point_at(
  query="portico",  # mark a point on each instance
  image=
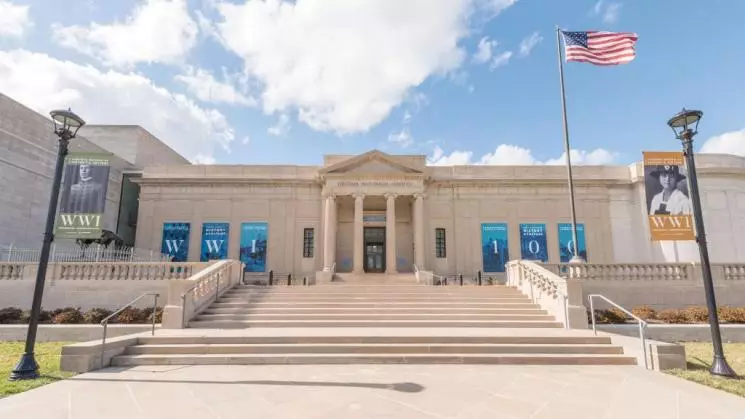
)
(388, 196)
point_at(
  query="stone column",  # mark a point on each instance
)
(359, 232)
(329, 232)
(390, 234)
(334, 225)
(419, 231)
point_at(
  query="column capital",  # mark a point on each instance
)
(390, 195)
(332, 196)
(358, 196)
(419, 195)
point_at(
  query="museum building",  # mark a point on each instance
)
(377, 212)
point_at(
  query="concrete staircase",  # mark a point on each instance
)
(366, 323)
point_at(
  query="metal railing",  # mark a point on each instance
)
(642, 323)
(105, 322)
(93, 253)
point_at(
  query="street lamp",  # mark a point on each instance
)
(66, 126)
(685, 127)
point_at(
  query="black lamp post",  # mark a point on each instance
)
(685, 127)
(66, 126)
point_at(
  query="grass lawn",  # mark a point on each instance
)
(699, 357)
(47, 355)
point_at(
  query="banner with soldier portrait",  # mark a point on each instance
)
(83, 196)
(669, 207)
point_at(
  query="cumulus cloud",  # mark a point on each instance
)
(14, 19)
(608, 11)
(507, 154)
(345, 65)
(159, 31)
(202, 84)
(484, 50)
(44, 83)
(402, 138)
(527, 44)
(727, 143)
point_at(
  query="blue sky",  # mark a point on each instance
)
(287, 82)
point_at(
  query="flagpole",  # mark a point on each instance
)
(567, 150)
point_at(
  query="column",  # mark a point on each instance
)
(390, 234)
(419, 231)
(329, 232)
(359, 231)
(334, 225)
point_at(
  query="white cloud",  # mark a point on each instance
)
(402, 138)
(246, 139)
(484, 50)
(203, 159)
(500, 60)
(345, 65)
(44, 83)
(205, 87)
(157, 31)
(14, 19)
(608, 11)
(727, 143)
(512, 155)
(281, 128)
(527, 44)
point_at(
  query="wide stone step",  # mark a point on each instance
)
(242, 324)
(361, 305)
(315, 359)
(385, 348)
(505, 338)
(364, 298)
(370, 310)
(375, 316)
(314, 291)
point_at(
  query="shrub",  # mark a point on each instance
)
(613, 316)
(130, 315)
(44, 316)
(96, 315)
(147, 313)
(645, 313)
(11, 315)
(673, 316)
(696, 314)
(732, 314)
(68, 315)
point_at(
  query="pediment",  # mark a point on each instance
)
(372, 162)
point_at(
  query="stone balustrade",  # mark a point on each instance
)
(188, 297)
(89, 284)
(658, 285)
(560, 297)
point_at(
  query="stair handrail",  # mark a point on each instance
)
(105, 321)
(642, 324)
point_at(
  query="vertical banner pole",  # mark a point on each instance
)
(567, 150)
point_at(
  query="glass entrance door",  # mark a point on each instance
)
(374, 249)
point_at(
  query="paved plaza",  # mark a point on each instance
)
(373, 391)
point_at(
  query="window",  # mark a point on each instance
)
(308, 243)
(440, 243)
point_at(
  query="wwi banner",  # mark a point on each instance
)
(566, 242)
(254, 239)
(669, 208)
(175, 241)
(495, 251)
(533, 244)
(83, 200)
(214, 241)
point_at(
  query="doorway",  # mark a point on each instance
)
(374, 249)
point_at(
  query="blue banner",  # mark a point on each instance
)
(214, 241)
(495, 252)
(175, 241)
(533, 244)
(254, 239)
(566, 244)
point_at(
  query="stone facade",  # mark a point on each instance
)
(410, 199)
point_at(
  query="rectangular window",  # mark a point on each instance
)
(308, 242)
(440, 243)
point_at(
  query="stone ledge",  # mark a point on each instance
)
(661, 356)
(678, 332)
(86, 356)
(70, 332)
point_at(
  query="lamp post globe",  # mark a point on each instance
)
(685, 126)
(66, 126)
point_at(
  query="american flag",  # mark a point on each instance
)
(600, 48)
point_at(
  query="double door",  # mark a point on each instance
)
(374, 249)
